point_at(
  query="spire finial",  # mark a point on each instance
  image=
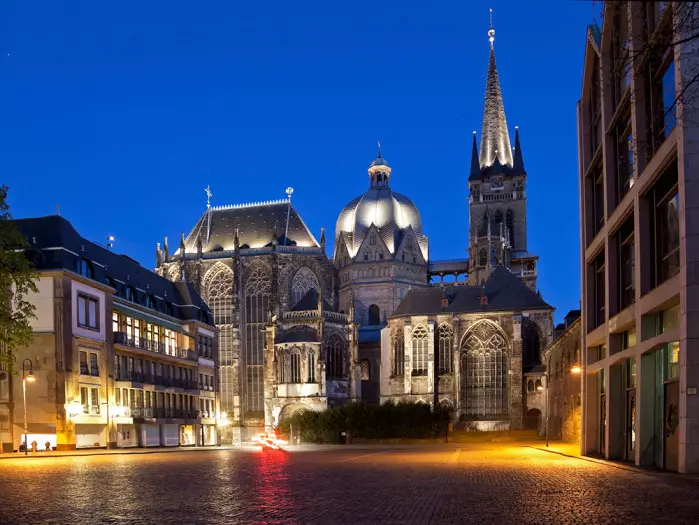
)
(379, 143)
(491, 31)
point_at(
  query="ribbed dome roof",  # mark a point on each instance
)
(389, 211)
(378, 161)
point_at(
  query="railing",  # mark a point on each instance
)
(154, 346)
(138, 377)
(92, 410)
(528, 273)
(170, 413)
(497, 197)
(313, 314)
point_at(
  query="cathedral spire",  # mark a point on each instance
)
(519, 161)
(475, 165)
(495, 141)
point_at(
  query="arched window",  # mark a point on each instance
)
(374, 314)
(531, 350)
(364, 369)
(445, 340)
(530, 386)
(257, 292)
(335, 361)
(295, 366)
(484, 366)
(510, 223)
(498, 217)
(482, 257)
(304, 281)
(420, 351)
(281, 365)
(398, 352)
(85, 268)
(311, 367)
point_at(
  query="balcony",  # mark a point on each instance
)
(162, 413)
(138, 377)
(142, 343)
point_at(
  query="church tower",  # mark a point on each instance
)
(497, 198)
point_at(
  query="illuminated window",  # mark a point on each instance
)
(398, 352)
(419, 351)
(257, 295)
(295, 366)
(484, 366)
(446, 337)
(364, 369)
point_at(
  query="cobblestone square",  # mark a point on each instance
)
(498, 484)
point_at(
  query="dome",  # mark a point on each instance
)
(378, 161)
(390, 212)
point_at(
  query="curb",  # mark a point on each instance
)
(116, 453)
(591, 460)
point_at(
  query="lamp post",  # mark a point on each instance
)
(540, 387)
(26, 377)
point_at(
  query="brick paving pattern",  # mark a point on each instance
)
(496, 484)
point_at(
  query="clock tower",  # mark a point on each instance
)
(497, 196)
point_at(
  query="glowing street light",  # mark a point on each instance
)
(576, 369)
(31, 378)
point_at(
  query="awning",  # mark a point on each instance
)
(138, 314)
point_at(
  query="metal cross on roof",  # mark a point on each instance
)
(208, 196)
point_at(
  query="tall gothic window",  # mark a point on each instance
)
(482, 257)
(304, 281)
(295, 366)
(420, 351)
(484, 368)
(510, 223)
(257, 292)
(281, 364)
(334, 355)
(398, 352)
(364, 370)
(311, 366)
(218, 287)
(446, 337)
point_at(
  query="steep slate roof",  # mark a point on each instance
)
(256, 224)
(504, 290)
(46, 234)
(310, 302)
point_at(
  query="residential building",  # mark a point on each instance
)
(637, 137)
(118, 351)
(562, 383)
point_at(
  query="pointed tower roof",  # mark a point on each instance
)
(518, 161)
(475, 164)
(495, 141)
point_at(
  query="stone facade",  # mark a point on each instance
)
(276, 309)
(563, 384)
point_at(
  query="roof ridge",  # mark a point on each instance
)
(249, 205)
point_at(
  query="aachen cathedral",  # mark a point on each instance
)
(375, 322)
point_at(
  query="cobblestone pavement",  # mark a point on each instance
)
(435, 484)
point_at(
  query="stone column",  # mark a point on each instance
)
(616, 398)
(515, 372)
(432, 384)
(408, 352)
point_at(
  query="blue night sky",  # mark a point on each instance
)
(123, 113)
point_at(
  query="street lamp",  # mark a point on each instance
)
(31, 378)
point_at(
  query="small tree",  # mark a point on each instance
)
(17, 279)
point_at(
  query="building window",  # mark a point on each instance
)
(257, 298)
(419, 340)
(446, 338)
(90, 400)
(530, 386)
(625, 240)
(374, 315)
(84, 368)
(88, 308)
(673, 369)
(665, 233)
(660, 94)
(150, 301)
(115, 322)
(482, 257)
(398, 352)
(372, 240)
(624, 155)
(131, 294)
(484, 371)
(599, 290)
(364, 370)
(85, 269)
(295, 366)
(621, 63)
(594, 110)
(598, 200)
(334, 351)
(94, 367)
(311, 366)
(304, 283)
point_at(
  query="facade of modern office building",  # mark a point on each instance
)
(639, 198)
(121, 356)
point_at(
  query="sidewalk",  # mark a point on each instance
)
(572, 450)
(119, 451)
